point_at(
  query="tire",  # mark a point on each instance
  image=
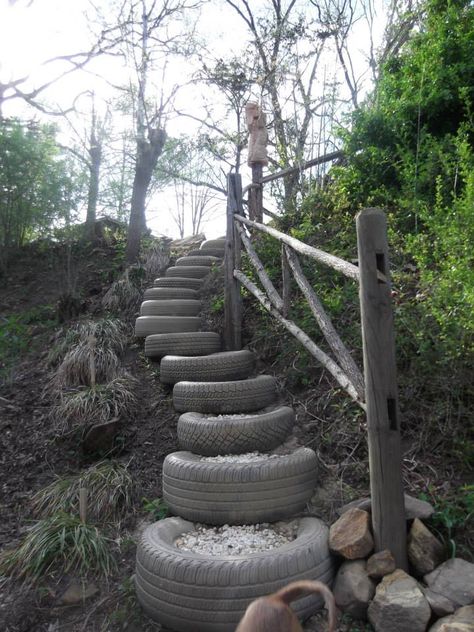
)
(191, 272)
(208, 252)
(211, 436)
(178, 282)
(199, 593)
(225, 397)
(213, 243)
(149, 325)
(229, 365)
(238, 493)
(163, 293)
(188, 592)
(173, 307)
(197, 261)
(186, 344)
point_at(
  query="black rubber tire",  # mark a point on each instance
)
(211, 244)
(225, 397)
(211, 436)
(187, 344)
(264, 490)
(181, 282)
(197, 261)
(228, 365)
(188, 592)
(148, 325)
(191, 272)
(208, 252)
(164, 293)
(172, 307)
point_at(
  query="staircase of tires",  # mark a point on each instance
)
(225, 411)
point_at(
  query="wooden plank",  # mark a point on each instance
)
(300, 335)
(306, 165)
(232, 298)
(286, 282)
(273, 295)
(383, 420)
(338, 347)
(325, 258)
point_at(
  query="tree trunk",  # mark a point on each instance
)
(148, 152)
(95, 153)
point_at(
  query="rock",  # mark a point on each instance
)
(353, 589)
(461, 621)
(454, 580)
(77, 592)
(441, 606)
(425, 552)
(381, 564)
(101, 436)
(188, 242)
(350, 535)
(414, 508)
(399, 605)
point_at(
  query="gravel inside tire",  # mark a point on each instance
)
(178, 282)
(186, 344)
(217, 493)
(228, 365)
(172, 307)
(225, 397)
(197, 261)
(208, 252)
(188, 592)
(191, 272)
(148, 325)
(165, 293)
(213, 244)
(210, 436)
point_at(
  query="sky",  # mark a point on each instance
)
(32, 31)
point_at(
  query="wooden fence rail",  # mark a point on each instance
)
(376, 391)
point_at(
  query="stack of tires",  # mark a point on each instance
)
(226, 411)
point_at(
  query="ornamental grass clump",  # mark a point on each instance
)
(95, 404)
(109, 486)
(60, 540)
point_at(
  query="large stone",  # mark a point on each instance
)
(399, 605)
(441, 606)
(454, 580)
(414, 508)
(425, 552)
(101, 437)
(350, 535)
(381, 564)
(461, 621)
(77, 592)
(353, 588)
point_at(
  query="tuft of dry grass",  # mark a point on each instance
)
(125, 293)
(95, 404)
(60, 540)
(156, 257)
(109, 487)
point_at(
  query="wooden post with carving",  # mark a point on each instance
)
(232, 298)
(383, 420)
(257, 157)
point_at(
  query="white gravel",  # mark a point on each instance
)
(237, 540)
(248, 457)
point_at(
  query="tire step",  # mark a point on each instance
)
(170, 307)
(191, 272)
(197, 261)
(208, 252)
(149, 325)
(225, 397)
(218, 367)
(165, 293)
(187, 344)
(178, 282)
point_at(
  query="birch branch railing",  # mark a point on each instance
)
(375, 391)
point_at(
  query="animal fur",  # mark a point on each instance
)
(273, 614)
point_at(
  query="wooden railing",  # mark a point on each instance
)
(375, 391)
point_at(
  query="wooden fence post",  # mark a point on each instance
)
(232, 298)
(383, 422)
(256, 193)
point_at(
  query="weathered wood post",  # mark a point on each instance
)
(257, 157)
(383, 421)
(232, 298)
